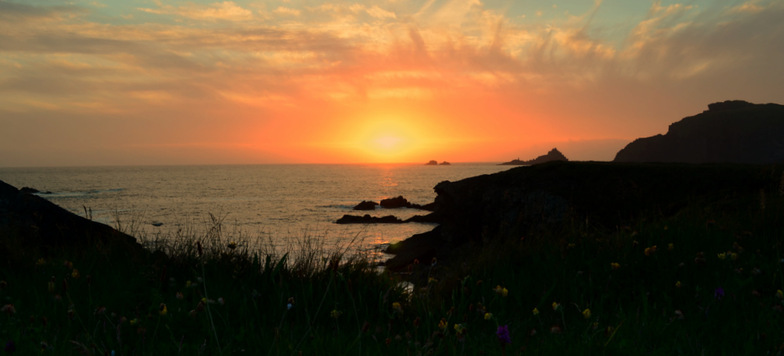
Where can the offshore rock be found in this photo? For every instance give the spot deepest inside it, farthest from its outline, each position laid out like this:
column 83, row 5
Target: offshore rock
column 366, row 205
column 553, row 155
column 731, row 131
column 367, row 219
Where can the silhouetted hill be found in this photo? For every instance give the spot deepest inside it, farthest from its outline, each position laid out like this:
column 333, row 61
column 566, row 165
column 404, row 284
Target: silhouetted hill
column 534, row 199
column 32, row 227
column 553, row 155
column 730, row 131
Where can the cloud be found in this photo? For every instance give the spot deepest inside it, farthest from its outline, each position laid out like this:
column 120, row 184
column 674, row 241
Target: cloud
column 287, row 11
column 226, row 10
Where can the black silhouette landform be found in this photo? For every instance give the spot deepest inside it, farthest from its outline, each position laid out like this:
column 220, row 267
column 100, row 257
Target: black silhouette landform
column 732, row 131
column 553, row 155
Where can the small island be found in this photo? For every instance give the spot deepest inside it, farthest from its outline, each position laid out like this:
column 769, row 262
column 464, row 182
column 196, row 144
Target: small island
column 553, row 155
column 435, row 163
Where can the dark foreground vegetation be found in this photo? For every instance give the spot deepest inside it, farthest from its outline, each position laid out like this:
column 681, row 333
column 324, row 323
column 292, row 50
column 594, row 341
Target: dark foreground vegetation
column 704, row 277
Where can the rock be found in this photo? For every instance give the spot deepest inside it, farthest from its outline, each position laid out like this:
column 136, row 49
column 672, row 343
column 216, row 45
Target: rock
column 731, row 132
column 544, row 198
column 367, row 219
column 395, row 203
column 366, row 205
column 432, row 163
column 444, row 163
column 32, row 225
column 553, row 155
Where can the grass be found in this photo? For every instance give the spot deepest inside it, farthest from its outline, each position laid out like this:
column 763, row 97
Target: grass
column 707, row 280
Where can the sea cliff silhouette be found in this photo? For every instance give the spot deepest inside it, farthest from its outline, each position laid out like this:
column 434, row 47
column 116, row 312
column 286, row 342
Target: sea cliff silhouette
column 730, row 131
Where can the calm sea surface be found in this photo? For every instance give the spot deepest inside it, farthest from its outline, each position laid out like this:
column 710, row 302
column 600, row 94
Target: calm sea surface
column 274, row 203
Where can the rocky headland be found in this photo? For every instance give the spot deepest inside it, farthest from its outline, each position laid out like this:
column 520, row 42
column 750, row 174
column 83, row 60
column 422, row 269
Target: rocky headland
column 553, row 155
column 40, row 228
column 529, row 200
column 730, row 131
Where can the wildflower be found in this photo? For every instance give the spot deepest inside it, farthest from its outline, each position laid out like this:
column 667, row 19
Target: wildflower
column 10, row 347
column 459, row 329
column 570, row 245
column 503, row 335
column 670, row 246
column 397, row 307
column 50, row 285
column 555, row 329
column 431, row 280
column 587, row 313
column 41, row 261
column 615, row 265
column 535, row 311
column 442, row 324
column 678, row 284
column 290, row 303
column 8, row 309
column 718, row 293
column 779, row 294
column 134, row 321
column 721, row 256
column 188, row 284
column 162, row 310
column 488, row 316
column 502, row 291
column 733, row 256
column 335, row 313
column 556, row 305
column 650, row 250
column 232, row 245
column 179, row 296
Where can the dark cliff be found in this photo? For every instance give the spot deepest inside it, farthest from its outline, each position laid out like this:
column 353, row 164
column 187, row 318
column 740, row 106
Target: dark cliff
column 32, row 227
column 730, row 131
column 529, row 200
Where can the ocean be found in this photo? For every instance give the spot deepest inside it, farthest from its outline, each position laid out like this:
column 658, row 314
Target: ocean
column 262, row 204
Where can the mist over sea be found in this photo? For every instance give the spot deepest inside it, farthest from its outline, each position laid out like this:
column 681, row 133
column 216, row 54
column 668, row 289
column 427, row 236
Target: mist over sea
column 273, row 203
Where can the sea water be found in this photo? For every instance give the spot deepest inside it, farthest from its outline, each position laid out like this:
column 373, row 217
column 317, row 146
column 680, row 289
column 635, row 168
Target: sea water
column 279, row 204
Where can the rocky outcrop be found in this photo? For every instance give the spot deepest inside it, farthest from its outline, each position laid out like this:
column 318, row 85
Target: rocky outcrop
column 730, row 131
column 553, row 155
column 367, row 219
column 544, row 198
column 31, row 225
column 366, row 205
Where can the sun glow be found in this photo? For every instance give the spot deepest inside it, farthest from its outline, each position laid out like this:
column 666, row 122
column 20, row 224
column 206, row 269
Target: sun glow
column 390, row 141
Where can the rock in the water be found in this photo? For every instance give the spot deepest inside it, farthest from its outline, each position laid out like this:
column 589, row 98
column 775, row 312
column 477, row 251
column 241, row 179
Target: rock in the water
column 394, row 203
column 367, row 219
column 366, row 205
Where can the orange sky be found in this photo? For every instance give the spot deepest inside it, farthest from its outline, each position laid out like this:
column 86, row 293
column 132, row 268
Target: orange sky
column 234, row 82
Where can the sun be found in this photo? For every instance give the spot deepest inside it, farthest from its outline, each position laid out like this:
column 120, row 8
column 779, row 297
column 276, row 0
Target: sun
column 391, row 140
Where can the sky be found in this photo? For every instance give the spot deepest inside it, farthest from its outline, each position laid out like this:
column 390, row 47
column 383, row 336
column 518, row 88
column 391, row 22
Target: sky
column 153, row 82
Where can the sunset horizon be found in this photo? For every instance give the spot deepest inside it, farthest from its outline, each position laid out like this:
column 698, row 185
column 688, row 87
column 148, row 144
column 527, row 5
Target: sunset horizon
column 149, row 82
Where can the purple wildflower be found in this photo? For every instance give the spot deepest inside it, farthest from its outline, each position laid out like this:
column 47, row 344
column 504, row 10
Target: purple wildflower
column 10, row 347
column 503, row 335
column 718, row 293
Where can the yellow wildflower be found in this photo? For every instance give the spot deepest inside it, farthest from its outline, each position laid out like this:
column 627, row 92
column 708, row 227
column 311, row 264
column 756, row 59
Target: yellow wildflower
column 556, row 305
column 488, row 316
column 442, row 324
column 779, row 294
column 535, row 311
column 733, row 256
column 41, row 261
column 397, row 307
column 459, row 328
column 431, row 280
column 162, row 310
column 670, row 246
column 335, row 313
column 615, row 265
column 721, row 256
column 75, row 273
column 678, row 284
column 650, row 250
column 134, row 321
column 232, row 245
column 587, row 313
